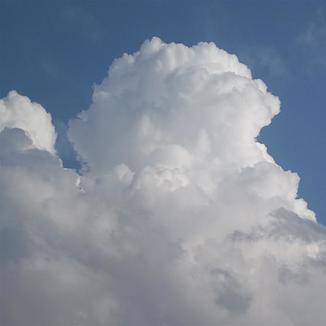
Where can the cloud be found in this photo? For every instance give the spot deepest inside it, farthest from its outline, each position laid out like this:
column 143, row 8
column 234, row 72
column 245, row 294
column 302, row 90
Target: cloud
column 266, row 59
column 178, row 215
column 18, row 111
column 312, row 40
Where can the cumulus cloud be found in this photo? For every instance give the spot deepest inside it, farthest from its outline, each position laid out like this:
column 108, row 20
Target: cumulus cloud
column 17, row 111
column 178, row 215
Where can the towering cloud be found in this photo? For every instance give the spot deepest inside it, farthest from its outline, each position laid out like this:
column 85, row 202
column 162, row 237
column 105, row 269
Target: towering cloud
column 178, row 215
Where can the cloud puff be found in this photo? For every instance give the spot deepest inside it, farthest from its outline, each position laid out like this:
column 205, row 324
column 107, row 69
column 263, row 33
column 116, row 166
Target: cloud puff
column 178, row 215
column 18, row 111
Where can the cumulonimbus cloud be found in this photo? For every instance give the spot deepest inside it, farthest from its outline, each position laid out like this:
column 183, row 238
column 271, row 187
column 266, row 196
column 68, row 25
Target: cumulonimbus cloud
column 179, row 216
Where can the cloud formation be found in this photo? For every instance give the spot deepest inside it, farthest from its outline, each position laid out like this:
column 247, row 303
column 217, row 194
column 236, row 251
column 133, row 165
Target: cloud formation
column 178, row 215
column 18, row 111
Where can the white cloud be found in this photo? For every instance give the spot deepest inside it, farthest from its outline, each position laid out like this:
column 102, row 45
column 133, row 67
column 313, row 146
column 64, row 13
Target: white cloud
column 179, row 216
column 18, row 111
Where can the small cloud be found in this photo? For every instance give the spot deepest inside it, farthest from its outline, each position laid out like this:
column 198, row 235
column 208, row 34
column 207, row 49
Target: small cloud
column 312, row 40
column 266, row 60
column 81, row 18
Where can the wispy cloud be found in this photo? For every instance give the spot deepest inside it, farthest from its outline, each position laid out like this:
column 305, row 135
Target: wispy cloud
column 312, row 40
column 265, row 59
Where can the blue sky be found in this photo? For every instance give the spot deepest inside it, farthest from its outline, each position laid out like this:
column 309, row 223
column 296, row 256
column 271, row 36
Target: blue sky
column 54, row 51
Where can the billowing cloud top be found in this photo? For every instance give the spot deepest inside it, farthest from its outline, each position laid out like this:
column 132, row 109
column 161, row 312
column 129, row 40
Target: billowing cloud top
column 178, row 216
column 18, row 111
column 172, row 104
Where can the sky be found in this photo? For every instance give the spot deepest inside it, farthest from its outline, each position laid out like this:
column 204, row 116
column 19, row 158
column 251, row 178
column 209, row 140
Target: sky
column 55, row 51
column 162, row 163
